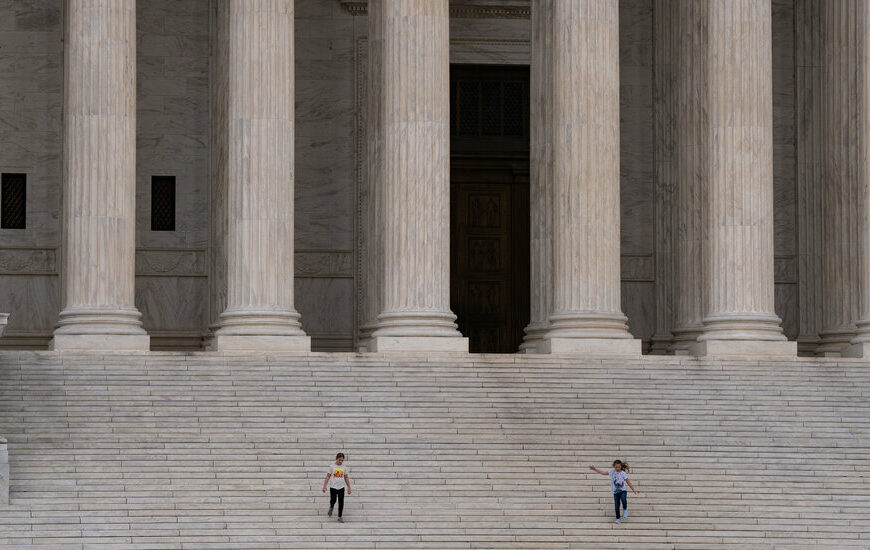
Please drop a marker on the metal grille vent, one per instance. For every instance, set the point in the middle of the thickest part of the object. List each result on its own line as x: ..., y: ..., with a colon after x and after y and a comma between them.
x: 492, y: 108
x: 13, y: 210
x: 162, y: 203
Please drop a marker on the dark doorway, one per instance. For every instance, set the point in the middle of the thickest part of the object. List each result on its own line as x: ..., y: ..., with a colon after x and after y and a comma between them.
x: 489, y: 204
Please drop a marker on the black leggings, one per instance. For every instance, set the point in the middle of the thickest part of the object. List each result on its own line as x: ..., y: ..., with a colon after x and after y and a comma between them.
x: 336, y: 494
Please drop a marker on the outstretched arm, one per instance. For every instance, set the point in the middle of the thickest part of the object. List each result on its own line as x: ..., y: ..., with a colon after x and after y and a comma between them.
x: 630, y: 485
x: 325, y: 481
x: 594, y: 469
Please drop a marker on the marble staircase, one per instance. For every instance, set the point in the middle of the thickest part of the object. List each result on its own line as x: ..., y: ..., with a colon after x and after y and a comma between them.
x: 208, y: 451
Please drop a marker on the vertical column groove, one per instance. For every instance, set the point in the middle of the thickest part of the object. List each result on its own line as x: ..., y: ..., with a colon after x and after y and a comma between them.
x: 374, y: 174
x: 259, y: 201
x: 665, y: 36
x: 860, y: 180
x: 541, y: 185
x: 585, y: 175
x: 410, y: 38
x: 810, y: 157
x: 739, y: 203
x: 99, y: 233
x: 692, y: 171
x: 842, y: 173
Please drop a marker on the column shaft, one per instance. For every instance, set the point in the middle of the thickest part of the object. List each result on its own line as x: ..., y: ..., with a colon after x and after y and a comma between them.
x: 843, y: 171
x: 414, y: 198
x: 259, y: 148
x: 809, y: 53
x: 541, y: 184
x: 373, y: 253
x: 99, y: 231
x: 585, y: 149
x: 740, y: 318
x: 852, y: 38
x: 666, y: 34
x: 692, y: 169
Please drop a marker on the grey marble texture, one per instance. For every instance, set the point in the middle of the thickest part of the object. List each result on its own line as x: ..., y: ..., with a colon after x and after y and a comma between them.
x: 412, y: 169
x: 256, y: 133
x: 176, y: 83
x: 99, y: 233
x: 844, y: 172
x: 738, y: 211
x: 582, y: 135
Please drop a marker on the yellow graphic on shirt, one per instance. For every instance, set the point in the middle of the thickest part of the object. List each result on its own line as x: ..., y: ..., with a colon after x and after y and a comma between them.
x: 338, y: 472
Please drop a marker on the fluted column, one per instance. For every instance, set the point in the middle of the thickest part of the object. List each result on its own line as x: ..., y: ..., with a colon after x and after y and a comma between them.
x: 586, y: 314
x: 99, y: 232
x: 258, y: 83
x: 844, y: 173
x: 664, y: 117
x: 541, y: 184
x: 692, y: 169
x: 848, y: 36
x: 414, y: 195
x: 372, y: 253
x: 740, y: 318
x: 809, y: 54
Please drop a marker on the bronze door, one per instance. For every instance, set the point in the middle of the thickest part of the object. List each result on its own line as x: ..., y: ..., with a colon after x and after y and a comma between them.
x: 490, y: 257
x: 489, y: 204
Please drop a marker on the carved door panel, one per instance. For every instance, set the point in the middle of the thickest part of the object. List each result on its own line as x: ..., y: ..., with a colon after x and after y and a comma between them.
x: 489, y: 260
x: 489, y: 204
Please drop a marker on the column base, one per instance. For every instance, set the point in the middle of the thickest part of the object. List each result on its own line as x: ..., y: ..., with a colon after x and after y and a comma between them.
x: 807, y: 345
x: 534, y: 336
x: 100, y: 328
x: 860, y: 350
x: 365, y: 336
x: 767, y: 349
x: 684, y: 338
x: 624, y: 347
x: 833, y: 342
x: 661, y: 344
x: 100, y: 342
x: 255, y: 343
x: 389, y: 344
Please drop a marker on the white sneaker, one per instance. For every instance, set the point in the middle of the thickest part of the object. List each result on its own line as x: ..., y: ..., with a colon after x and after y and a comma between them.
x: 625, y: 514
x: 617, y: 521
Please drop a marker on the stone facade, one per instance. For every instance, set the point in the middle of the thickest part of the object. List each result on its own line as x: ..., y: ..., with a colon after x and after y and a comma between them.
x: 181, y: 288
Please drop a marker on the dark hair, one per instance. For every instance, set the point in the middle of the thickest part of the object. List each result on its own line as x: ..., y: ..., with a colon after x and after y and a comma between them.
x: 622, y: 463
x: 339, y: 455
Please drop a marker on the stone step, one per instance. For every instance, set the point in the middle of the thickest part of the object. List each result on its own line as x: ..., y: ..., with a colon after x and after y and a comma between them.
x: 203, y: 451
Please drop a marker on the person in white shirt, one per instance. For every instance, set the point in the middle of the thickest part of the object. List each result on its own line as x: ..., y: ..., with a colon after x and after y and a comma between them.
x: 618, y: 480
x: 337, y: 479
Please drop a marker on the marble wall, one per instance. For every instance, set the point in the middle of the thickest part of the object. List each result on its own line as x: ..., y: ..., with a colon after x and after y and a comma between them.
x: 172, y: 51
x: 174, y: 135
x: 326, y: 203
x: 31, y: 110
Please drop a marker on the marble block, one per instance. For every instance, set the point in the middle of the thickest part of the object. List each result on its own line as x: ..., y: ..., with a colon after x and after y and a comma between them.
x: 766, y: 349
x: 100, y: 342
x: 860, y: 350
x: 417, y: 343
x: 255, y: 343
x: 592, y: 346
